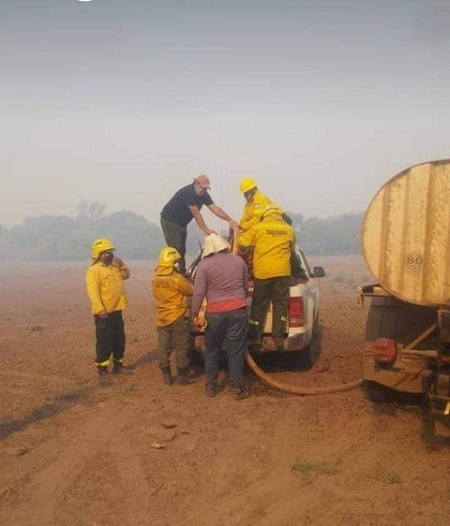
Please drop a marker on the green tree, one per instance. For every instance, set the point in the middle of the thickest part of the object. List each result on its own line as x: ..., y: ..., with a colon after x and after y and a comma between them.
x: 134, y: 236
x: 41, y: 238
x: 66, y: 239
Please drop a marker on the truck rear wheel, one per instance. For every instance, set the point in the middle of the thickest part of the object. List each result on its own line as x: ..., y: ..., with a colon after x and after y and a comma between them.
x: 310, y: 354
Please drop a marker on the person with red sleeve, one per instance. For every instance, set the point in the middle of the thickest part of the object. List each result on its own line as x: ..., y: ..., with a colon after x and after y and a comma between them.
x: 222, y: 280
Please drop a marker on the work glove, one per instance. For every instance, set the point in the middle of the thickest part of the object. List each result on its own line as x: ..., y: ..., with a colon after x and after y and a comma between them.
x: 200, y: 322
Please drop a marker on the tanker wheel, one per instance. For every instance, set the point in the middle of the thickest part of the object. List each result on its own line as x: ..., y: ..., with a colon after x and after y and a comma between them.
x: 379, y: 394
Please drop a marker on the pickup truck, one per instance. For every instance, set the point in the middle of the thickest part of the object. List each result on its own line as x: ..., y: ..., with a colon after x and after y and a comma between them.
x: 302, y: 330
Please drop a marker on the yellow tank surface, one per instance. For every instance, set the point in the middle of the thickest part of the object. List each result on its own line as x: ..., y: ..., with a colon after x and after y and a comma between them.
x: 406, y: 234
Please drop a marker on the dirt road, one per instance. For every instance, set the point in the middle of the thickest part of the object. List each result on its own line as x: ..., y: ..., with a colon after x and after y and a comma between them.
x: 73, y: 452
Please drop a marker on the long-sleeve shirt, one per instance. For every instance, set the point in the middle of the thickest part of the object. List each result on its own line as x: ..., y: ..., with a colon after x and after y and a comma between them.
x: 272, y: 240
x: 221, y: 279
x: 170, y: 290
x: 105, y: 287
x: 253, y: 210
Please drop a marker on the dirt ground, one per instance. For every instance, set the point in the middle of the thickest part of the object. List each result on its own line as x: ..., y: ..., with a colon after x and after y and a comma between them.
x: 74, y: 452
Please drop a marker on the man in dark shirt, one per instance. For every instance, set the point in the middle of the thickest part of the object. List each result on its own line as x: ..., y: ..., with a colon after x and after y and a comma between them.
x: 184, y: 206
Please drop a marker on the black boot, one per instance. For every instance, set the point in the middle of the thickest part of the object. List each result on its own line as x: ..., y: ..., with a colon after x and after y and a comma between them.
x: 240, y: 392
x: 117, y: 367
x: 102, y: 370
x: 103, y: 375
x: 184, y: 376
x: 167, y: 375
x: 192, y: 372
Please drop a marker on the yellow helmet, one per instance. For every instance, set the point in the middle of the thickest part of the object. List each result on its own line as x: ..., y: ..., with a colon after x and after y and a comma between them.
x: 168, y: 256
x: 247, y: 183
x: 99, y: 246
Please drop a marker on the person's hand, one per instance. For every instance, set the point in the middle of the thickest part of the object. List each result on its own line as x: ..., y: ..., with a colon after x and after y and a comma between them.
x: 103, y: 314
x: 200, y: 322
x: 117, y: 262
x: 208, y: 232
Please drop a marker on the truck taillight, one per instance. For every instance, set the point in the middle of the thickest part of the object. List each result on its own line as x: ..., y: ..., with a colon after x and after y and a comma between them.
x: 296, y: 312
x: 384, y: 351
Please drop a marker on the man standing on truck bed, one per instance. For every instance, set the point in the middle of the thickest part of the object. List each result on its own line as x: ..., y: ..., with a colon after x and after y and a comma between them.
x: 273, y: 240
x: 184, y: 206
x: 255, y: 204
x: 222, y: 279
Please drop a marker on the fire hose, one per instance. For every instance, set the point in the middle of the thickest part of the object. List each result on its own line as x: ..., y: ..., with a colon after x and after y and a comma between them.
x: 294, y: 389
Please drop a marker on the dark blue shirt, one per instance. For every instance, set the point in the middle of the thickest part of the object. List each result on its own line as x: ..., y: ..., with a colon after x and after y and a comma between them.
x: 177, y: 208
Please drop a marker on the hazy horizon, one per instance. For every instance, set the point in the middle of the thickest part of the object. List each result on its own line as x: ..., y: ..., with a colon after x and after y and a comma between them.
x: 123, y: 102
x: 221, y: 224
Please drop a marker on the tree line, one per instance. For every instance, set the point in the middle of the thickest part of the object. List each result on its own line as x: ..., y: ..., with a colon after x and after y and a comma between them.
x: 62, y: 238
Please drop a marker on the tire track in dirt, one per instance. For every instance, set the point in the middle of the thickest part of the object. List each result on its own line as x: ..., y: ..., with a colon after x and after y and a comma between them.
x: 247, y: 506
x: 240, y: 490
x: 369, y: 458
x: 382, y: 455
x: 280, y: 493
x: 136, y: 499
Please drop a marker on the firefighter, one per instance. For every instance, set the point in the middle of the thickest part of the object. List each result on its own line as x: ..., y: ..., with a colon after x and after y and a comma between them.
x: 272, y: 240
x: 256, y: 203
x: 104, y: 280
x: 171, y: 290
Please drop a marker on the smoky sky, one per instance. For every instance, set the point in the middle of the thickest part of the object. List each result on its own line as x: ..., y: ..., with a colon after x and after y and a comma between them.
x: 124, y: 101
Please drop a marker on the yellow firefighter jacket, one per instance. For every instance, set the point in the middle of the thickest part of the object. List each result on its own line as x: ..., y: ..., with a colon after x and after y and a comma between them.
x: 272, y: 240
x: 253, y: 210
x: 170, y: 290
x: 105, y: 287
